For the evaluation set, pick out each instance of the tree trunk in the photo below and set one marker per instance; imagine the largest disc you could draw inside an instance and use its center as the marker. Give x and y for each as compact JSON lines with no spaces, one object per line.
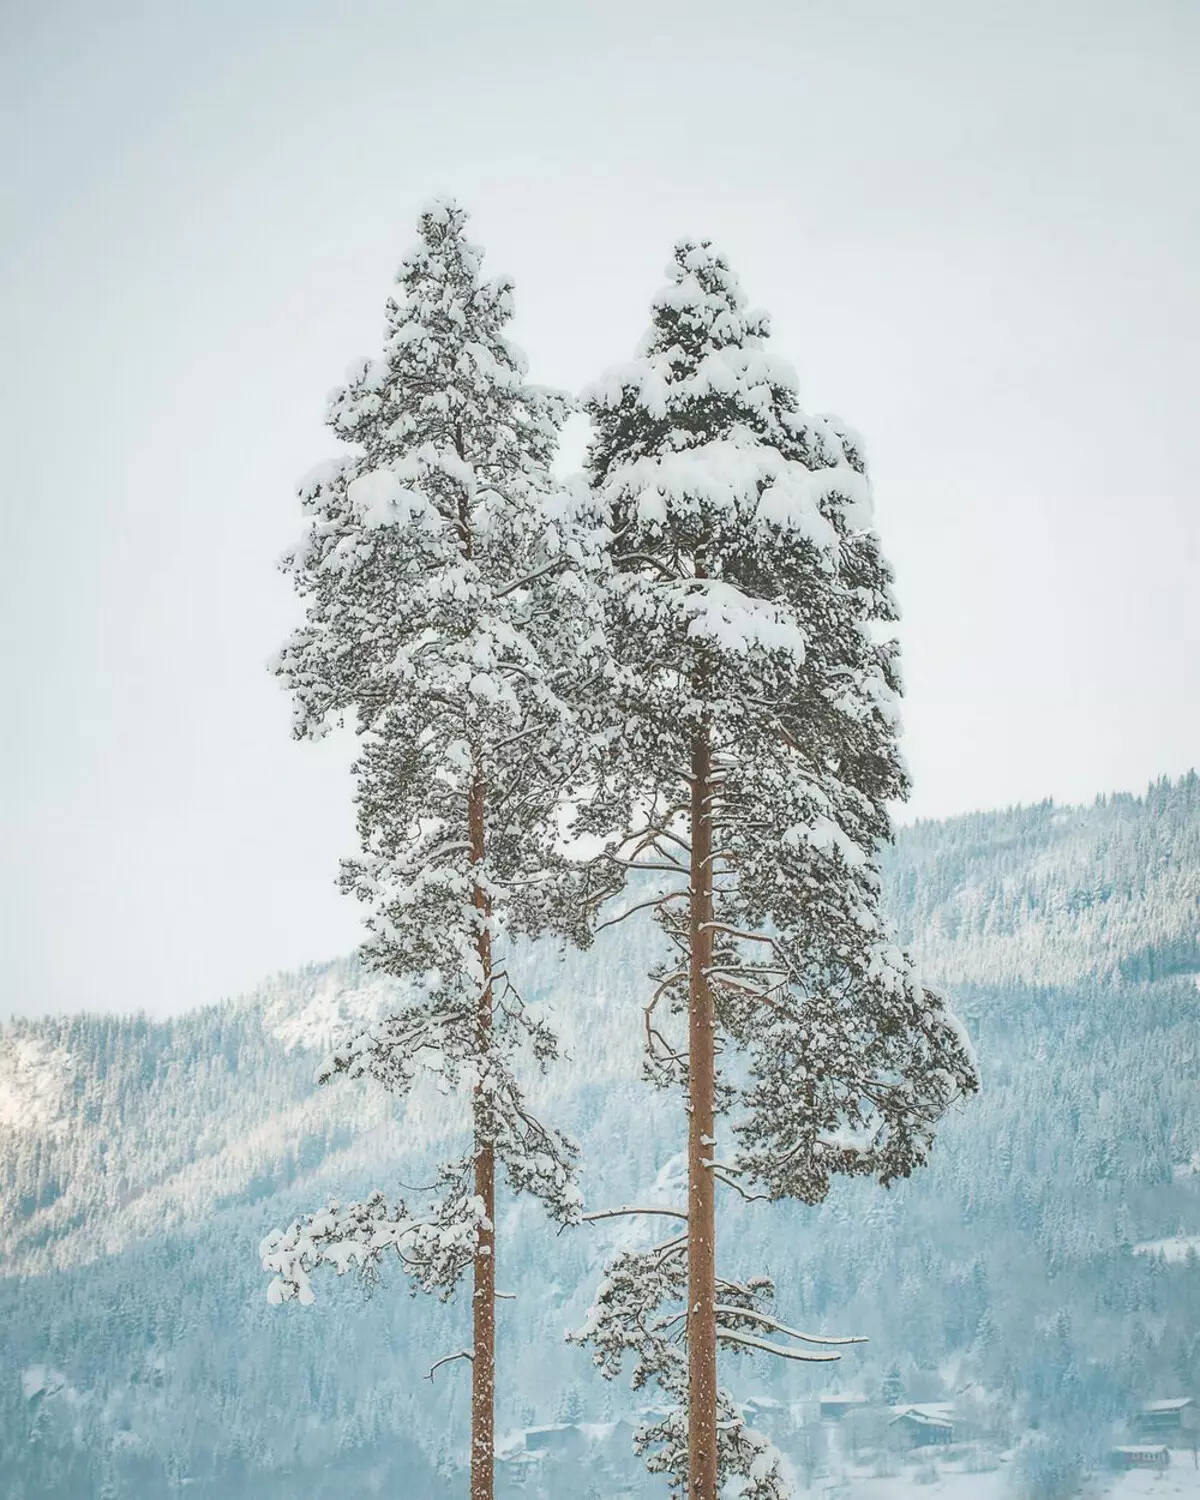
{"x":483,"y":1364}
{"x":702,"y":1257}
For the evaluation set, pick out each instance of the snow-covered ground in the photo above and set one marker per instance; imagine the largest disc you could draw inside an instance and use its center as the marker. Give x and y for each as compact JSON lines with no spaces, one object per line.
{"x":1182,"y":1478}
{"x":937,"y":1479}
{"x":950,"y":1484}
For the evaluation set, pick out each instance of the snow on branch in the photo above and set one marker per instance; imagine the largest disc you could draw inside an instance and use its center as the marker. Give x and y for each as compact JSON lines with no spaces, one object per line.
{"x":435,"y":1248}
{"x":358,"y":1235}
{"x":749,"y":1341}
{"x":447,"y":1359}
{"x":773,"y":1323}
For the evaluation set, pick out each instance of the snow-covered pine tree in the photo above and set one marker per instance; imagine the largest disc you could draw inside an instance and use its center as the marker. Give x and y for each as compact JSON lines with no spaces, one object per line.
{"x":748,"y":724}
{"x":421,"y":623}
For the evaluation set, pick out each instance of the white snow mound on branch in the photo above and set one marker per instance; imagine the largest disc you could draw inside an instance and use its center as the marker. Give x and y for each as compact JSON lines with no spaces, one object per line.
{"x":742,"y":475}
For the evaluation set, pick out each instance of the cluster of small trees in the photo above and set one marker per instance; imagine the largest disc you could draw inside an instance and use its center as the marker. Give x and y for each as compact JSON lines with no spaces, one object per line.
{"x":667,"y":684}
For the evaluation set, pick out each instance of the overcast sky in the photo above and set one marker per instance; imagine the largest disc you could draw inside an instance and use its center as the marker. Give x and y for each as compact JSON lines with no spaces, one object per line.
{"x":976,"y":225}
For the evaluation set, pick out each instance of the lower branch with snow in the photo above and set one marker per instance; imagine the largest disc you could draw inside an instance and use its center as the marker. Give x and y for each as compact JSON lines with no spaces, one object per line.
{"x":640,"y":1315}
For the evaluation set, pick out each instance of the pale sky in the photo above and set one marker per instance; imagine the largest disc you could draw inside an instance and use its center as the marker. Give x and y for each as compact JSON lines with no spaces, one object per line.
{"x":976,"y":225}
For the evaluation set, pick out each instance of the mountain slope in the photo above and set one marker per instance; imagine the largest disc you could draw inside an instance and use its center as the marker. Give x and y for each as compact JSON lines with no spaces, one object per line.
{"x":141,"y":1162}
{"x":1049,"y":895}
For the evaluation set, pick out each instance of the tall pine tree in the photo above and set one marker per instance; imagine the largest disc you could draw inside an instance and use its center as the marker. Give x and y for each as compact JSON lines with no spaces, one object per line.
{"x":423,"y":623}
{"x":747,"y":729}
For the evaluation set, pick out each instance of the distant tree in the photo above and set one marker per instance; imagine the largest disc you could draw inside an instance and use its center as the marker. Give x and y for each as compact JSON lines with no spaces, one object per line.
{"x":1044,"y":1468}
{"x":891,"y":1392}
{"x":748,"y":724}
{"x":570,"y":1406}
{"x":423,"y":623}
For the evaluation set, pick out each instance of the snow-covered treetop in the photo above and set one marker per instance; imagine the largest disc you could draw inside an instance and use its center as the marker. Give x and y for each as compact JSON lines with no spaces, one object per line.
{"x":705,"y":387}
{"x":447,"y":370}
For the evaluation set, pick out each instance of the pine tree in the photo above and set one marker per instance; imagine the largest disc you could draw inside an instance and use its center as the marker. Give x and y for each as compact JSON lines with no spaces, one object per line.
{"x":422,"y":623}
{"x":570,"y":1406}
{"x":748,"y":719}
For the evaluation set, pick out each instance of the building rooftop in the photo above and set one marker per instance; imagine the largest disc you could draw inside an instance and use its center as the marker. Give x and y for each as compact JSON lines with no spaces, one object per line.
{"x":934,"y":1414}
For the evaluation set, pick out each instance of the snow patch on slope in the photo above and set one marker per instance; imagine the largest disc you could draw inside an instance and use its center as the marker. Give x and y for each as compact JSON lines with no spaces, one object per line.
{"x":35,"y":1078}
{"x":327,"y":1012}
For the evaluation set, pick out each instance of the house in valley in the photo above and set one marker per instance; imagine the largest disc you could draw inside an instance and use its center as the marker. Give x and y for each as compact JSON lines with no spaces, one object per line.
{"x":835,"y":1406}
{"x":1172,"y":1417}
{"x":1140,"y":1456}
{"x":923,"y":1426}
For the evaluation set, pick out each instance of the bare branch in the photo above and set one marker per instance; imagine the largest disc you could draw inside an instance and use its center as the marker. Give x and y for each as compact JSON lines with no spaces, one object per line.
{"x":616,"y":1213}
{"x":667,"y":1248}
{"x":640,"y":906}
{"x":647,"y":838}
{"x":645,"y":557}
{"x":629,"y":864}
{"x":446,"y":1359}
{"x":737,"y":932}
{"x":767,"y":999}
{"x":726,"y":969}
{"x":519,"y":583}
{"x":719,"y":1176}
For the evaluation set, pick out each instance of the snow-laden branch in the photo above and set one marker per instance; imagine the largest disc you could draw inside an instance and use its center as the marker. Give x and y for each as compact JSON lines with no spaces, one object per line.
{"x":750,"y":1342}
{"x":773,"y":1323}
{"x":448,"y":1359}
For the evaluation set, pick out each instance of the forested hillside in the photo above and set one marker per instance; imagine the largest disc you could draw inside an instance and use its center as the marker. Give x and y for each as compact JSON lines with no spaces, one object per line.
{"x":1052,"y":895}
{"x":141,"y":1163}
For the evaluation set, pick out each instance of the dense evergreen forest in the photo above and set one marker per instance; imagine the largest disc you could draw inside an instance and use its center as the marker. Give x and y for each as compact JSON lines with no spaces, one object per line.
{"x":141,"y":1163}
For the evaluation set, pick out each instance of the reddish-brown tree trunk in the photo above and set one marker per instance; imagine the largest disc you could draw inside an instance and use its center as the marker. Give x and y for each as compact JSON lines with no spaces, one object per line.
{"x":702,"y":1248}
{"x":483,"y":1364}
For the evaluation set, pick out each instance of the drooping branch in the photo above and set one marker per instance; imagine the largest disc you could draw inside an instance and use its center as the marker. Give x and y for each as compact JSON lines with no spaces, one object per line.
{"x":728,"y":1336}
{"x":773,"y":1323}
{"x":656,"y":904}
{"x":524,"y":582}
{"x":742,"y":1193}
{"x":448,"y":1359}
{"x":669,"y":867}
{"x":616,"y":1213}
{"x":667,"y":1250}
{"x":738,"y":932}
{"x":725,"y":971}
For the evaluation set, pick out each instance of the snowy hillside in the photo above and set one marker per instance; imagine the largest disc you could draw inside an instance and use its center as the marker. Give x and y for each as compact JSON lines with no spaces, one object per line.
{"x":141,"y":1162}
{"x":1052,"y":895}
